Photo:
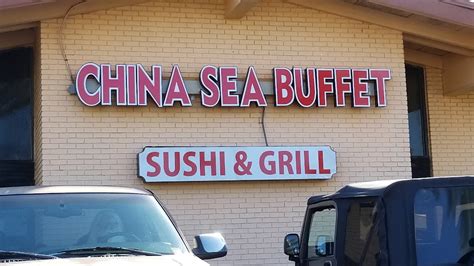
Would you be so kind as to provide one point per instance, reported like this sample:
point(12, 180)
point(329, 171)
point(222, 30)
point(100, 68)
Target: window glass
point(417, 125)
point(444, 225)
point(51, 223)
point(362, 238)
point(322, 233)
point(416, 111)
point(16, 124)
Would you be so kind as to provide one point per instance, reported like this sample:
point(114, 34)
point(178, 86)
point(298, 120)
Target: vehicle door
point(318, 242)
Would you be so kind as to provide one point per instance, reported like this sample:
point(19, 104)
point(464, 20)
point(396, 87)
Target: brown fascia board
point(404, 25)
point(28, 14)
point(441, 10)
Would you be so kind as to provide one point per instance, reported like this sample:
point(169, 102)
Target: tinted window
point(416, 111)
point(16, 125)
point(417, 117)
point(51, 223)
point(444, 225)
point(362, 234)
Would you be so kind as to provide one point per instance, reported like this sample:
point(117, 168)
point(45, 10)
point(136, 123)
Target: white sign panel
point(184, 164)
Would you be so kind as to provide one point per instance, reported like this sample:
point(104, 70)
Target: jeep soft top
point(426, 221)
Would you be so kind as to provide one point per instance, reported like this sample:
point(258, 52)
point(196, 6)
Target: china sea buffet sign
point(132, 85)
point(180, 164)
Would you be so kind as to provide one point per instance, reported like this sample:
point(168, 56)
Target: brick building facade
point(79, 145)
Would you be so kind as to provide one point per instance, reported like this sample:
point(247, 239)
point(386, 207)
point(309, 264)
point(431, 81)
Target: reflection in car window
point(362, 245)
point(444, 225)
point(56, 222)
point(322, 233)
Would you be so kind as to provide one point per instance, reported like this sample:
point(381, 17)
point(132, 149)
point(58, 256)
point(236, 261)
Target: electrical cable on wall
point(263, 126)
point(61, 37)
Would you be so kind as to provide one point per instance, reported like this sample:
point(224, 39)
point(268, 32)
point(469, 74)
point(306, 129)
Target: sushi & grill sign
point(181, 164)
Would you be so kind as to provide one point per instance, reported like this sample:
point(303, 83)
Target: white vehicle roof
point(69, 189)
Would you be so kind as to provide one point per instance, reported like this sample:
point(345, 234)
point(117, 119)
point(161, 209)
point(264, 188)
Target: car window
point(362, 243)
point(444, 225)
point(322, 233)
point(51, 223)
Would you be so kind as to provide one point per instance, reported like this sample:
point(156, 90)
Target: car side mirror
point(210, 246)
point(324, 246)
point(291, 246)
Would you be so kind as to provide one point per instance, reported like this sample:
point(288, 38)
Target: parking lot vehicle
point(428, 221)
point(81, 225)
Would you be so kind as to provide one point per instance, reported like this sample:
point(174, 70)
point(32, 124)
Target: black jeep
point(427, 221)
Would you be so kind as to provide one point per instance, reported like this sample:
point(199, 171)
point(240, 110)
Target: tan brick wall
point(99, 145)
point(451, 123)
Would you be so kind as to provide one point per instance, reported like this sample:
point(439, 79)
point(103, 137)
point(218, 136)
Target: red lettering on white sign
point(360, 88)
point(228, 86)
point(207, 162)
point(149, 86)
point(324, 86)
point(307, 166)
point(132, 86)
point(309, 98)
point(267, 167)
point(176, 90)
point(116, 84)
point(154, 165)
point(190, 163)
point(86, 97)
point(252, 90)
point(177, 164)
point(342, 86)
point(167, 164)
point(209, 81)
point(284, 92)
point(380, 76)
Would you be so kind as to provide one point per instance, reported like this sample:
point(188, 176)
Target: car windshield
point(54, 223)
point(444, 226)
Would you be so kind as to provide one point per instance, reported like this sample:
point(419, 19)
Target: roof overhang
point(21, 14)
point(18, 14)
point(462, 37)
point(459, 12)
